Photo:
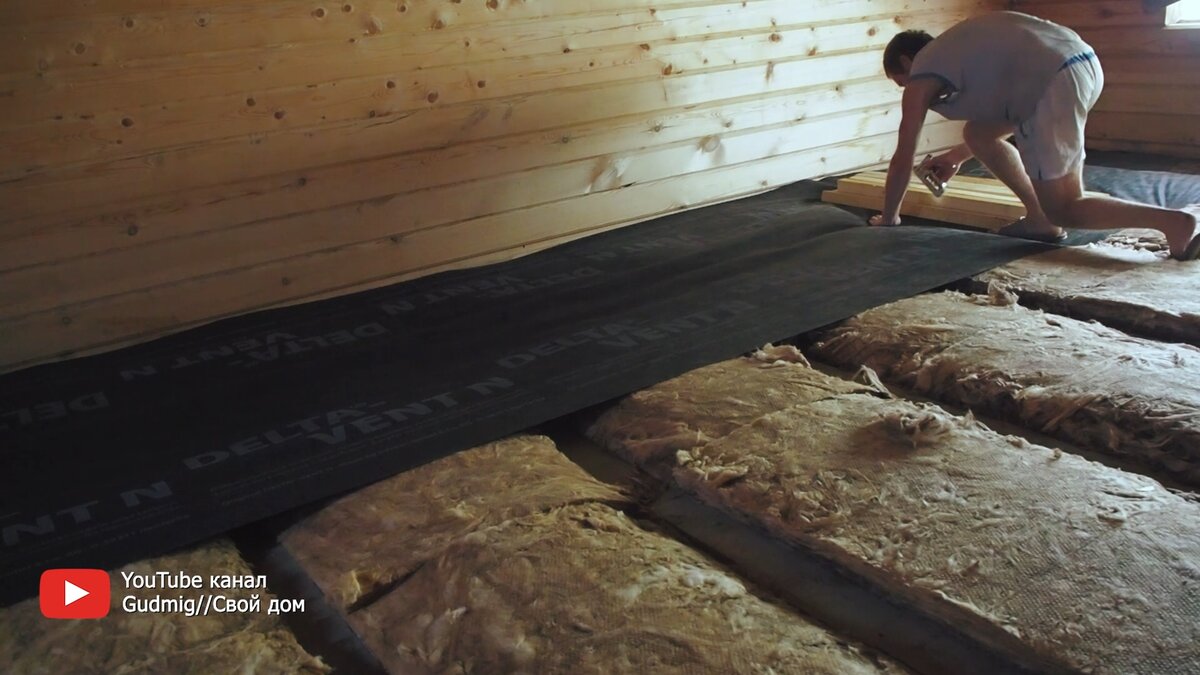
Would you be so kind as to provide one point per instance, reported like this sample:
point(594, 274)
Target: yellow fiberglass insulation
point(584, 590)
point(360, 544)
point(1132, 290)
point(1079, 566)
point(649, 426)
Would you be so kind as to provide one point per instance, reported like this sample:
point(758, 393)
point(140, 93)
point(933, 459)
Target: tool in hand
point(929, 178)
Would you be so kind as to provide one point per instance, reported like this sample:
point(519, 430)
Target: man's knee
point(971, 135)
point(976, 134)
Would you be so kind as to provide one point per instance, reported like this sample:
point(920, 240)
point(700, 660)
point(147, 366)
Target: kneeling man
point(1010, 74)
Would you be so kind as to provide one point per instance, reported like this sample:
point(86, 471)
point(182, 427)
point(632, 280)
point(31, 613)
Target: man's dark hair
point(907, 44)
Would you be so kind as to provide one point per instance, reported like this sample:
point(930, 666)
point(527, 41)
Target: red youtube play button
point(74, 594)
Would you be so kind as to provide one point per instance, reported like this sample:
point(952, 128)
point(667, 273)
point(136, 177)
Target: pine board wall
point(1151, 100)
point(166, 164)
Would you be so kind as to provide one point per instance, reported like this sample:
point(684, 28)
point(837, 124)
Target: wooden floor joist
point(983, 203)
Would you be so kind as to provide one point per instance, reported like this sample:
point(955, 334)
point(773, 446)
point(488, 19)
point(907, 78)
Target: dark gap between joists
point(321, 629)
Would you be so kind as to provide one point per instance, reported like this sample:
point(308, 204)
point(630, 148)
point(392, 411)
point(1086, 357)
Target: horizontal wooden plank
point(118, 320)
point(988, 185)
point(105, 38)
point(190, 135)
point(136, 130)
point(35, 12)
point(1153, 128)
point(1083, 14)
point(86, 232)
point(1143, 41)
point(400, 215)
point(1173, 72)
point(181, 79)
point(931, 211)
point(1164, 149)
point(107, 125)
point(962, 192)
point(988, 189)
point(975, 202)
point(544, 35)
point(958, 196)
point(295, 149)
point(1152, 99)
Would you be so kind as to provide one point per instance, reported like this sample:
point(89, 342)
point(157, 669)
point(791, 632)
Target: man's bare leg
point(988, 142)
point(1065, 203)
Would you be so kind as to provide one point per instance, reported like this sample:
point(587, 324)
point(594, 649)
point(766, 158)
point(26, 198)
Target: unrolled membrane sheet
point(647, 427)
point(1132, 290)
point(246, 642)
point(1081, 382)
point(585, 590)
point(183, 438)
point(357, 546)
point(1049, 557)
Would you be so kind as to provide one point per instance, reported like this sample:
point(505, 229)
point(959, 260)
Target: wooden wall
point(1151, 100)
point(167, 164)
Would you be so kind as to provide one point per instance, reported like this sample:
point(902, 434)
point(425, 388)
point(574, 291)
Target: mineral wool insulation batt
point(508, 558)
point(1133, 290)
point(1038, 552)
point(1082, 382)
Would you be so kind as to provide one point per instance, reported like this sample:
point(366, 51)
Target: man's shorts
point(1051, 140)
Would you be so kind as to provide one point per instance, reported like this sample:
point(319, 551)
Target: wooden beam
point(222, 156)
point(983, 203)
point(173, 259)
point(102, 34)
point(1183, 130)
point(921, 209)
point(107, 323)
point(105, 127)
point(88, 231)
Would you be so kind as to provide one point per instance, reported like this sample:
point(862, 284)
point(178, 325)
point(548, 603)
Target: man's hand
point(878, 221)
point(944, 166)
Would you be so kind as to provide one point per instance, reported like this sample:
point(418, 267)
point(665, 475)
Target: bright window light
point(1184, 12)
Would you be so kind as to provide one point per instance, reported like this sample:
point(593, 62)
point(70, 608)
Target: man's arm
point(946, 165)
point(918, 96)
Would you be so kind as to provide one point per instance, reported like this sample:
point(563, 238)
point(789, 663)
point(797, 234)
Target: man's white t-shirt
point(996, 67)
